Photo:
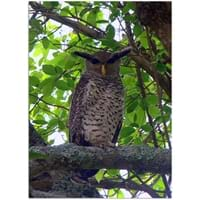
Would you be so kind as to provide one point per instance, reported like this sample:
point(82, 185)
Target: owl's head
point(104, 63)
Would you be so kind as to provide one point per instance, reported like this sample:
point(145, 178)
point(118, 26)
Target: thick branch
point(77, 26)
point(70, 156)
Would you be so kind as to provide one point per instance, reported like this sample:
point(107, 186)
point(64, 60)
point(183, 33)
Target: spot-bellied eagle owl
point(97, 105)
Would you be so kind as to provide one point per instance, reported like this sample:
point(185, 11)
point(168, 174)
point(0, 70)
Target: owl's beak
point(103, 70)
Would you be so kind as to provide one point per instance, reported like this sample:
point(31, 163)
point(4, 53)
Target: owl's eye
point(95, 61)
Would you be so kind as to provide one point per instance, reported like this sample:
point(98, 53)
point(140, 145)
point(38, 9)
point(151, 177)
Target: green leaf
point(167, 109)
point(147, 127)
point(64, 11)
point(99, 175)
point(102, 21)
point(62, 85)
point(140, 116)
point(137, 30)
point(152, 100)
point(126, 70)
point(32, 99)
point(111, 192)
point(110, 43)
point(53, 123)
point(47, 85)
point(84, 11)
point(38, 49)
point(32, 34)
point(38, 74)
point(126, 131)
point(115, 13)
point(161, 67)
point(138, 140)
point(132, 106)
point(154, 111)
point(49, 69)
point(120, 195)
point(126, 140)
point(143, 39)
point(145, 76)
point(45, 43)
point(36, 25)
point(39, 121)
point(131, 18)
point(110, 31)
point(50, 4)
point(159, 185)
point(34, 81)
point(128, 6)
point(113, 172)
point(91, 18)
point(61, 125)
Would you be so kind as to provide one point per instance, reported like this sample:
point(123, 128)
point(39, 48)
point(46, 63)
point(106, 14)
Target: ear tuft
point(119, 54)
point(83, 55)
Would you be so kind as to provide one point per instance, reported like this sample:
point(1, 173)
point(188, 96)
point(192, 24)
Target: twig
point(159, 90)
point(37, 102)
point(50, 104)
point(141, 84)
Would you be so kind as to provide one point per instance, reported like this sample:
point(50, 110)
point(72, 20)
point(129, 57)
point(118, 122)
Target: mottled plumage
point(97, 105)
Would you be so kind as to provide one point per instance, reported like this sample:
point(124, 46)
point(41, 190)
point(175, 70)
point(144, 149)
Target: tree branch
point(69, 156)
point(77, 26)
point(130, 185)
point(55, 183)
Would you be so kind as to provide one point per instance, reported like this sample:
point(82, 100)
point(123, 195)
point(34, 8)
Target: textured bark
point(157, 16)
point(54, 183)
point(34, 138)
point(69, 156)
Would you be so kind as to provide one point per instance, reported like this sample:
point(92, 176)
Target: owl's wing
point(115, 137)
point(77, 112)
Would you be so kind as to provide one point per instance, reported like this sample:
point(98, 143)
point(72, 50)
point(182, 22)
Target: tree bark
point(54, 183)
point(69, 156)
point(157, 16)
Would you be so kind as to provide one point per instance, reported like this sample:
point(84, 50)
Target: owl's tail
point(81, 176)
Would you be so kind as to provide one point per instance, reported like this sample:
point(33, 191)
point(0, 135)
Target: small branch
point(55, 30)
point(139, 158)
point(159, 89)
point(50, 104)
point(141, 84)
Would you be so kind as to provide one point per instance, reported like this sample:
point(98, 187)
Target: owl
point(97, 104)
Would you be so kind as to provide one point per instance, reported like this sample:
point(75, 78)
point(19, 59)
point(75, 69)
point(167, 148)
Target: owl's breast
point(103, 111)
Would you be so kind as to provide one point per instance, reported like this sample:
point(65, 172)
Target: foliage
point(54, 72)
